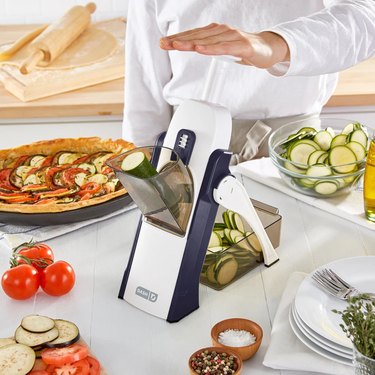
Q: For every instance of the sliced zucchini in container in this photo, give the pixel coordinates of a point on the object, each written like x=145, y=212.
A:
x=342, y=158
x=220, y=232
x=68, y=334
x=318, y=170
x=322, y=159
x=233, y=233
x=238, y=223
x=35, y=339
x=314, y=157
x=306, y=129
x=305, y=182
x=301, y=151
x=226, y=270
x=359, y=136
x=323, y=138
x=37, y=323
x=215, y=240
x=219, y=226
x=231, y=220
x=16, y=359
x=227, y=220
x=340, y=139
x=242, y=242
x=291, y=167
x=253, y=241
x=227, y=235
x=210, y=273
x=216, y=249
x=349, y=128
x=326, y=187
x=358, y=149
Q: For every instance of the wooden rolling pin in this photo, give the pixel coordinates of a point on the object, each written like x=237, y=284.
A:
x=57, y=37
x=7, y=53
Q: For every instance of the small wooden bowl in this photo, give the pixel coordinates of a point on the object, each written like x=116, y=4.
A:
x=244, y=352
x=217, y=350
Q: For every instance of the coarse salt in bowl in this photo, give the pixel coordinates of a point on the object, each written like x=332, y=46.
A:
x=239, y=335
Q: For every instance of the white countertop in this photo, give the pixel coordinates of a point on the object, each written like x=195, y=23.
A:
x=125, y=338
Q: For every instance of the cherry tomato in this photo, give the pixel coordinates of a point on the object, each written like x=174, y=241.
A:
x=20, y=282
x=38, y=372
x=62, y=356
x=94, y=365
x=58, y=278
x=41, y=255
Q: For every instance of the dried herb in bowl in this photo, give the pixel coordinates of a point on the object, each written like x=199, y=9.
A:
x=359, y=323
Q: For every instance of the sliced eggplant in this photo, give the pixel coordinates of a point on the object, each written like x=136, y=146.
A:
x=37, y=323
x=16, y=359
x=35, y=339
x=7, y=341
x=68, y=334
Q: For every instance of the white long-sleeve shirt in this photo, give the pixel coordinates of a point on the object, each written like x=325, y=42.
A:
x=324, y=37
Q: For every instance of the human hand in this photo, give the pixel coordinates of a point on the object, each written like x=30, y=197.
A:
x=262, y=49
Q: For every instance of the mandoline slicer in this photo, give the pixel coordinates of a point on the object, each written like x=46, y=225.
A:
x=179, y=207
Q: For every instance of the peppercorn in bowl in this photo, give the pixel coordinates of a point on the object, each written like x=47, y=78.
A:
x=238, y=335
x=218, y=361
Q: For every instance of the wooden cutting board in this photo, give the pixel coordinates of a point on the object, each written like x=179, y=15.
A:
x=41, y=84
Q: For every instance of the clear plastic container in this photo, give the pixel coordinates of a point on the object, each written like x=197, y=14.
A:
x=222, y=268
x=165, y=199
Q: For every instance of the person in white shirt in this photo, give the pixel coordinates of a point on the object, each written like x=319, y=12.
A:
x=289, y=50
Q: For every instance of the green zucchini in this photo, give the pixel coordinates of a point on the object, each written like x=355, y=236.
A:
x=343, y=159
x=215, y=240
x=323, y=138
x=138, y=165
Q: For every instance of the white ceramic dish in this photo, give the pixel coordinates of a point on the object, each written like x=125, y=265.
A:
x=314, y=306
x=316, y=348
x=325, y=344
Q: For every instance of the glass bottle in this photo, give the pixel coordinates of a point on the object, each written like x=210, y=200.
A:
x=369, y=183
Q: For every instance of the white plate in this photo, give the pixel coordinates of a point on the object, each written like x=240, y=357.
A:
x=316, y=348
x=345, y=353
x=314, y=306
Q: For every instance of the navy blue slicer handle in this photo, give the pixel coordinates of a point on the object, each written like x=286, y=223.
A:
x=186, y=294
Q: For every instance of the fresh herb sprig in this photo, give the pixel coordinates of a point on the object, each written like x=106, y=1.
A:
x=359, y=323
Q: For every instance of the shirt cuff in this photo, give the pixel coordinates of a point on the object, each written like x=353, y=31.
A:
x=283, y=68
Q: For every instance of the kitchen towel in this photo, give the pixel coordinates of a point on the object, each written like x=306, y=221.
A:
x=12, y=235
x=286, y=351
x=348, y=206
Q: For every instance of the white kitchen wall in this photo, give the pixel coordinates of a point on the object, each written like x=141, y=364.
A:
x=41, y=11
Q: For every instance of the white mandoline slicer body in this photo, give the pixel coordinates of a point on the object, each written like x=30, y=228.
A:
x=158, y=255
x=163, y=272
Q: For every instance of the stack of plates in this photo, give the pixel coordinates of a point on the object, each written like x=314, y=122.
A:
x=311, y=316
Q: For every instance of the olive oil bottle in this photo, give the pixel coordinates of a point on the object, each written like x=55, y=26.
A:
x=369, y=183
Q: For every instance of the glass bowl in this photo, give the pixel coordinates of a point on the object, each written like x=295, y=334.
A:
x=319, y=177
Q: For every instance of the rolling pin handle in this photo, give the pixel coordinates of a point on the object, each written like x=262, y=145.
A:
x=91, y=7
x=32, y=62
